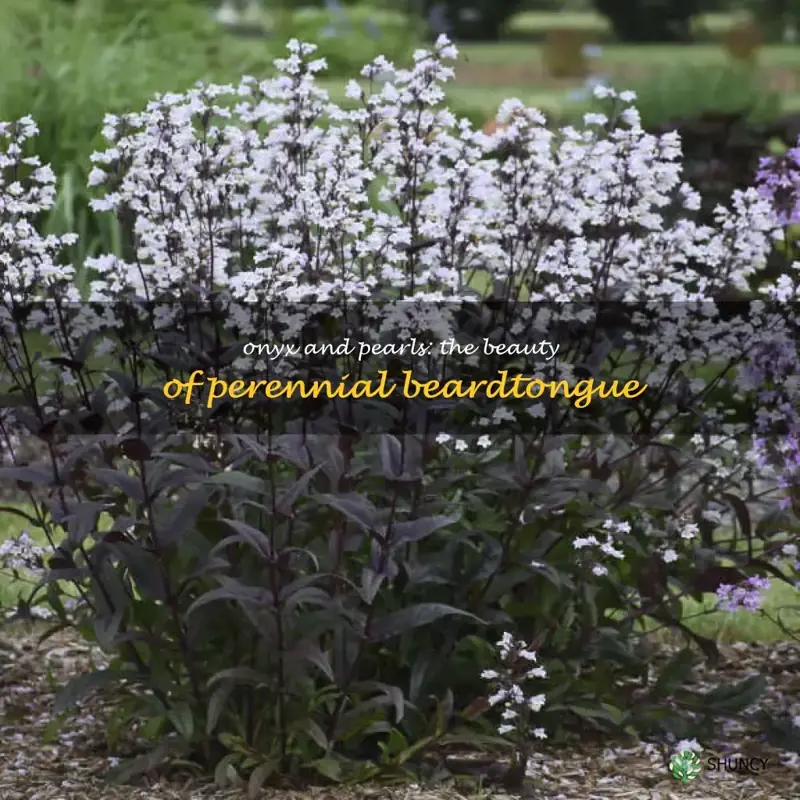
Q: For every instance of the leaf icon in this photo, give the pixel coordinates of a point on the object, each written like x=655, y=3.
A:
x=685, y=766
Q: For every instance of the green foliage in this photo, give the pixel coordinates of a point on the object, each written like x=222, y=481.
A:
x=650, y=20
x=681, y=92
x=775, y=17
x=536, y=25
x=70, y=66
x=152, y=19
x=354, y=36
x=481, y=20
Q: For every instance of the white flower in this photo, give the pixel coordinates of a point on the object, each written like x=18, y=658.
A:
x=539, y=733
x=536, y=702
x=669, y=555
x=489, y=675
x=536, y=672
x=594, y=119
x=443, y=438
x=582, y=542
x=601, y=92
x=461, y=445
x=498, y=697
x=484, y=441
x=689, y=530
x=504, y=729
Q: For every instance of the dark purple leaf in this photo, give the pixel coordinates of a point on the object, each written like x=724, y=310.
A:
x=407, y=619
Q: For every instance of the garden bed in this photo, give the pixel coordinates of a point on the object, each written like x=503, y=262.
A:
x=44, y=764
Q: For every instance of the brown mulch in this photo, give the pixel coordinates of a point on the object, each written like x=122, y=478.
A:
x=69, y=764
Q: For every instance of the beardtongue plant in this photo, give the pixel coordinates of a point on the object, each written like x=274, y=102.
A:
x=322, y=598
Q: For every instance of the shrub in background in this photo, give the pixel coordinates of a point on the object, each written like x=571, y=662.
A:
x=481, y=20
x=563, y=53
x=322, y=601
x=743, y=41
x=69, y=69
x=776, y=17
x=155, y=19
x=651, y=20
x=350, y=37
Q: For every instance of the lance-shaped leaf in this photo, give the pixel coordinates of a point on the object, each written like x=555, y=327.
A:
x=286, y=504
x=129, y=485
x=83, y=685
x=183, y=516
x=235, y=591
x=355, y=508
x=239, y=480
x=247, y=534
x=407, y=619
x=414, y=530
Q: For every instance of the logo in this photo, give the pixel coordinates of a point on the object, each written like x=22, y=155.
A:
x=740, y=764
x=685, y=766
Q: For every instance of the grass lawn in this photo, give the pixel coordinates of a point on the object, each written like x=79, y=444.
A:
x=645, y=56
x=488, y=73
x=535, y=24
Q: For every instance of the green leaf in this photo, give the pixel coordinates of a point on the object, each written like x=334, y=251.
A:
x=285, y=506
x=601, y=711
x=239, y=480
x=675, y=674
x=52, y=729
x=470, y=738
x=184, y=516
x=407, y=619
x=141, y=765
x=328, y=767
x=314, y=732
x=153, y=728
x=82, y=686
x=183, y=720
x=258, y=777
x=216, y=705
x=245, y=675
x=129, y=485
x=417, y=529
x=354, y=507
x=225, y=773
x=247, y=534
x=144, y=569
x=737, y=697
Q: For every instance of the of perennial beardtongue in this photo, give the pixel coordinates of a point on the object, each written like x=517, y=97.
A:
x=267, y=193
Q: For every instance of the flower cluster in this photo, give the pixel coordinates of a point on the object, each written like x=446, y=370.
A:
x=609, y=547
x=22, y=552
x=778, y=180
x=507, y=683
x=746, y=596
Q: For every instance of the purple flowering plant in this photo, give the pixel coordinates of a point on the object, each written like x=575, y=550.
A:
x=295, y=600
